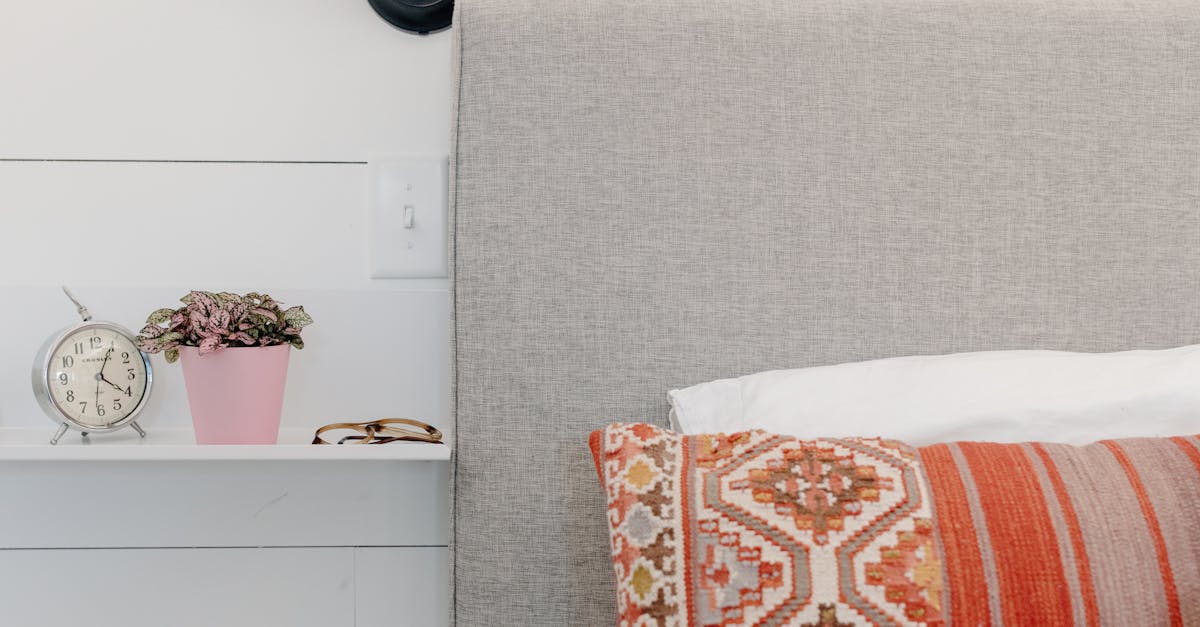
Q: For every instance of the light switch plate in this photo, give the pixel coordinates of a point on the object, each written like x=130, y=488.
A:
x=407, y=221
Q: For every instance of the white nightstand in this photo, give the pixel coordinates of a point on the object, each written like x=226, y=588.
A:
x=164, y=532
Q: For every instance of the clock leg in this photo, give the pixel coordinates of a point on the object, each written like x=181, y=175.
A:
x=58, y=434
x=138, y=428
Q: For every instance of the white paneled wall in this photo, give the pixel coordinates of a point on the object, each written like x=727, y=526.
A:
x=148, y=147
x=317, y=87
x=286, y=80
x=171, y=224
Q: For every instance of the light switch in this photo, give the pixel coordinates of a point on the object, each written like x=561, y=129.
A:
x=407, y=222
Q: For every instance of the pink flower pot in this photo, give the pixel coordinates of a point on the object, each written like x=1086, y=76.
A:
x=236, y=394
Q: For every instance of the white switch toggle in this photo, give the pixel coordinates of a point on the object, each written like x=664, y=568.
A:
x=400, y=245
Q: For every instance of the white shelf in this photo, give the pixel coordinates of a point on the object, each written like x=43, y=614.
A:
x=180, y=445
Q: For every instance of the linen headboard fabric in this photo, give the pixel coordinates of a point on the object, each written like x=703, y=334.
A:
x=651, y=195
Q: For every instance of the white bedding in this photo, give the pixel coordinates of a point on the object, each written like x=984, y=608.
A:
x=999, y=396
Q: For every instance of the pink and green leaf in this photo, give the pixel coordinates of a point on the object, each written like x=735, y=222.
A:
x=215, y=320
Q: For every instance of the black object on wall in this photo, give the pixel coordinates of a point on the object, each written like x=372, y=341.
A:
x=416, y=16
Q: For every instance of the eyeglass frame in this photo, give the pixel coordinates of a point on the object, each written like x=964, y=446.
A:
x=382, y=432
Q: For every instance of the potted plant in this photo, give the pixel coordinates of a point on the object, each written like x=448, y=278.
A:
x=235, y=355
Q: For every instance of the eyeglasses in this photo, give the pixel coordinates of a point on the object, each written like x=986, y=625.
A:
x=377, y=432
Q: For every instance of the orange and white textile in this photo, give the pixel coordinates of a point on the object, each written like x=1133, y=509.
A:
x=759, y=529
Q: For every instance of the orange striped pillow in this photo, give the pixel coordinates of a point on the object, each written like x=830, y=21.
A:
x=755, y=529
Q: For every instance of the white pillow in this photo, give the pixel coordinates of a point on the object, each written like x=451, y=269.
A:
x=998, y=396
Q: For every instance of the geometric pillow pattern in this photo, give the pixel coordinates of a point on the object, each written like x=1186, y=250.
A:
x=759, y=529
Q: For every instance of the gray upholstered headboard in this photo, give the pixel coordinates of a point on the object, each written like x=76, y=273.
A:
x=653, y=194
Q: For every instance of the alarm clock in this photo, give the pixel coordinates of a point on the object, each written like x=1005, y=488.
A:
x=92, y=377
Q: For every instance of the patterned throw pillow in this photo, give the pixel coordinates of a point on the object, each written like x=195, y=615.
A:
x=759, y=529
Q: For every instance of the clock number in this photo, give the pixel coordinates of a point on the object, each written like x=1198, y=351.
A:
x=124, y=358
x=129, y=391
x=68, y=361
x=70, y=396
x=99, y=410
x=132, y=376
x=96, y=342
x=83, y=407
x=117, y=404
x=62, y=378
x=78, y=348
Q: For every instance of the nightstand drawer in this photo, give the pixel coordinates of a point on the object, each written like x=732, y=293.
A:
x=224, y=504
x=250, y=587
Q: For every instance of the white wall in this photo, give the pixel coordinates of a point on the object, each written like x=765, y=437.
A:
x=309, y=80
x=112, y=115
x=149, y=147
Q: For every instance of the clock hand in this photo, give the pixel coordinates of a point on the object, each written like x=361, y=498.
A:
x=104, y=378
x=119, y=388
x=100, y=375
x=104, y=363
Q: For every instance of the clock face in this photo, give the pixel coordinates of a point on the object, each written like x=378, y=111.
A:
x=97, y=377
